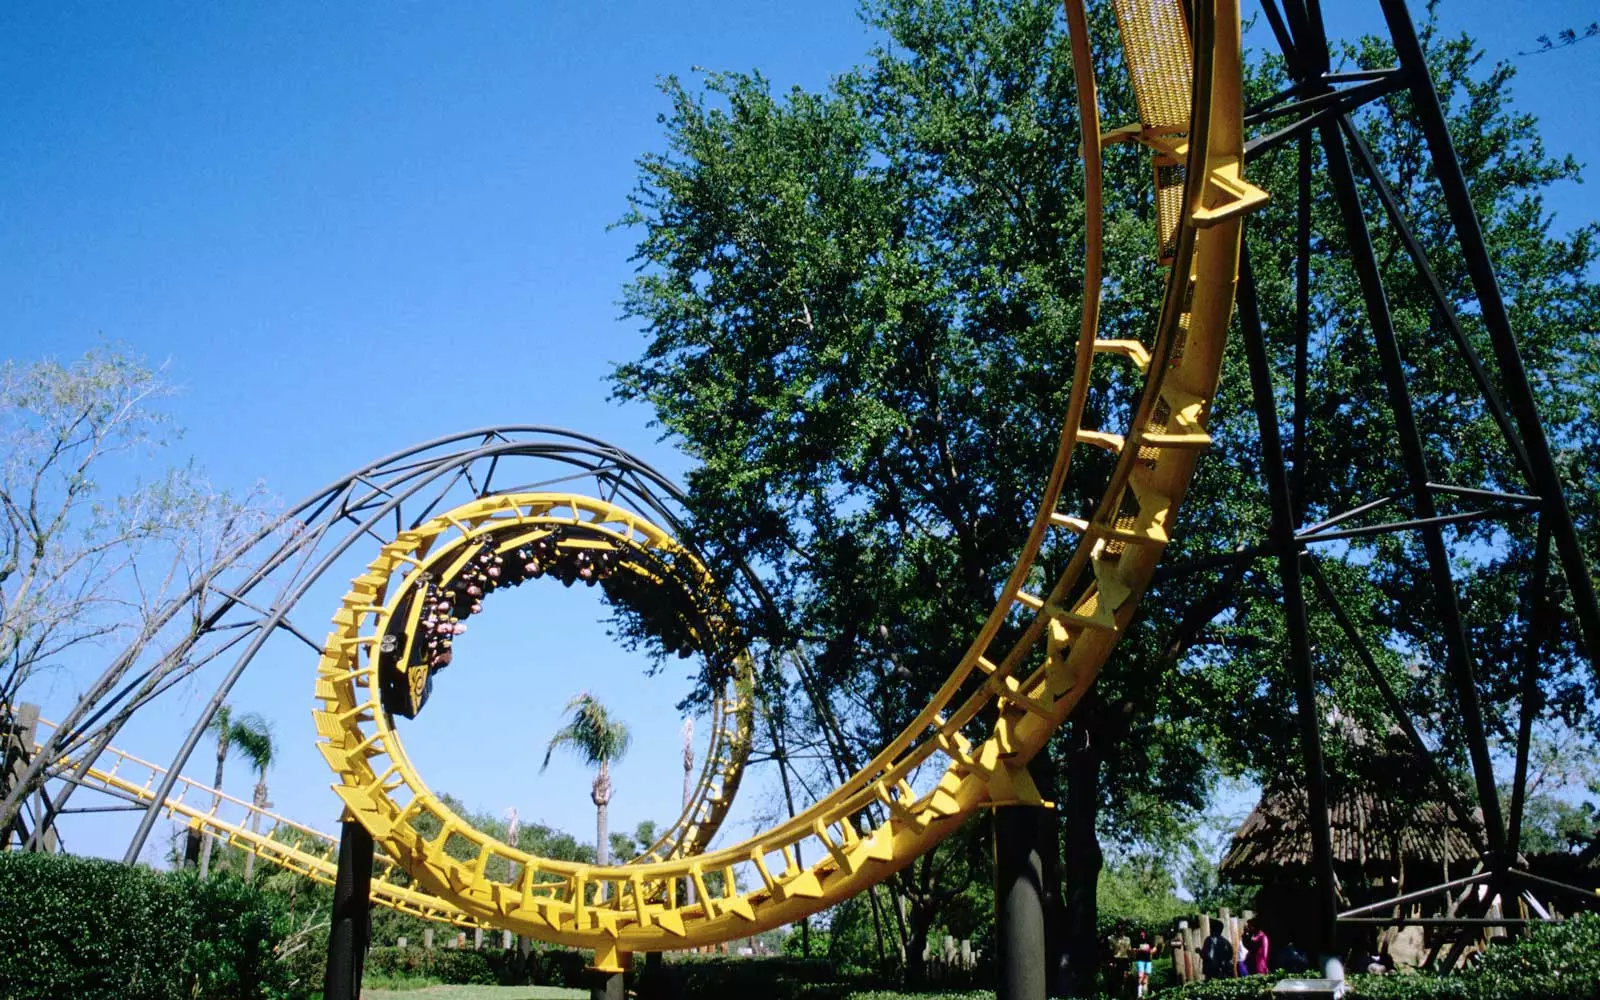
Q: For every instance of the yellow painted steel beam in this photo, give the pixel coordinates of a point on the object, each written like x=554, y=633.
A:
x=269, y=836
x=1187, y=79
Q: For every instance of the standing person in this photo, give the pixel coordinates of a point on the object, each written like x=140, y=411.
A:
x=1216, y=954
x=1255, y=940
x=1143, y=956
x=1123, y=956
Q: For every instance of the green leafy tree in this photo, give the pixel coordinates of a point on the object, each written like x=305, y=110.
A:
x=860, y=305
x=598, y=740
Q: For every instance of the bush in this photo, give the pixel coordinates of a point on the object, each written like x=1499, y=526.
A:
x=559, y=967
x=234, y=932
x=772, y=978
x=89, y=929
x=489, y=967
x=446, y=965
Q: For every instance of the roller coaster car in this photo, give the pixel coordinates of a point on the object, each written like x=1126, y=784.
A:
x=432, y=614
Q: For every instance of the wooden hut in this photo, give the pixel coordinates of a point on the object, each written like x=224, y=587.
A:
x=1386, y=841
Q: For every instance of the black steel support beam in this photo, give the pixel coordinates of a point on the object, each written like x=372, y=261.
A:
x=1513, y=376
x=1281, y=533
x=1414, y=895
x=1537, y=605
x=1414, y=459
x=1396, y=710
x=608, y=986
x=1302, y=326
x=1441, y=301
x=1439, y=921
x=1019, y=894
x=352, y=914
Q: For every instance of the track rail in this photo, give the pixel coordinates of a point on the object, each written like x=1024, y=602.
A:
x=1187, y=78
x=268, y=835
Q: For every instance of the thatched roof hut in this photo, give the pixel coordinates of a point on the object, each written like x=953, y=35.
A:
x=1376, y=837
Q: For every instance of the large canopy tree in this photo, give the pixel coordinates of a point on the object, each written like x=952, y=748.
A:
x=861, y=306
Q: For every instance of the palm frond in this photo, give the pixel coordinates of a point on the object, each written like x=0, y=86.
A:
x=252, y=738
x=591, y=733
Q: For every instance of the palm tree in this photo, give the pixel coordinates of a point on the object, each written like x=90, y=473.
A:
x=258, y=747
x=598, y=739
x=251, y=736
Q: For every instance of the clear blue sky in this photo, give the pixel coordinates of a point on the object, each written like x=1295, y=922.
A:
x=317, y=212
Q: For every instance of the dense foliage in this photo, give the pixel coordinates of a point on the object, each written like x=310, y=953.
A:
x=860, y=305
x=91, y=929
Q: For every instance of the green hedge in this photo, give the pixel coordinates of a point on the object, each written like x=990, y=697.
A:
x=90, y=929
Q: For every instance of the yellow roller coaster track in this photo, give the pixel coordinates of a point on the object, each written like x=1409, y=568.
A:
x=1187, y=79
x=267, y=835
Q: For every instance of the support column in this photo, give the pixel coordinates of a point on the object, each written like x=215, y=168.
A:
x=1282, y=536
x=352, y=914
x=1496, y=321
x=1458, y=654
x=1020, y=952
x=608, y=986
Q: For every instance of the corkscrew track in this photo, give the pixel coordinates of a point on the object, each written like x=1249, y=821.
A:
x=1187, y=79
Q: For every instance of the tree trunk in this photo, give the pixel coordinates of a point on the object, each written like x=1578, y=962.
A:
x=917, y=945
x=602, y=839
x=216, y=803
x=260, y=802
x=1083, y=856
x=920, y=919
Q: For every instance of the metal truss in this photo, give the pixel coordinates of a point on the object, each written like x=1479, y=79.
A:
x=1321, y=103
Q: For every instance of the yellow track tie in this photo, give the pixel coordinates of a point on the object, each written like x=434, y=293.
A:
x=732, y=901
x=698, y=878
x=1014, y=786
x=942, y=801
x=1031, y=600
x=1183, y=429
x=804, y=884
x=329, y=727
x=1148, y=531
x=1133, y=350
x=1238, y=197
x=759, y=859
x=1108, y=440
x=1008, y=688
x=640, y=908
x=848, y=860
x=1123, y=133
x=898, y=808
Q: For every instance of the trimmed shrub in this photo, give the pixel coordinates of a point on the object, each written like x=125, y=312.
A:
x=88, y=929
x=447, y=965
x=771, y=978
x=234, y=933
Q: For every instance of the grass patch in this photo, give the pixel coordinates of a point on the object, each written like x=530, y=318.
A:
x=398, y=984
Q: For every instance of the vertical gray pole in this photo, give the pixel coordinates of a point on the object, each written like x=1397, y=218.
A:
x=352, y=892
x=1019, y=902
x=608, y=986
